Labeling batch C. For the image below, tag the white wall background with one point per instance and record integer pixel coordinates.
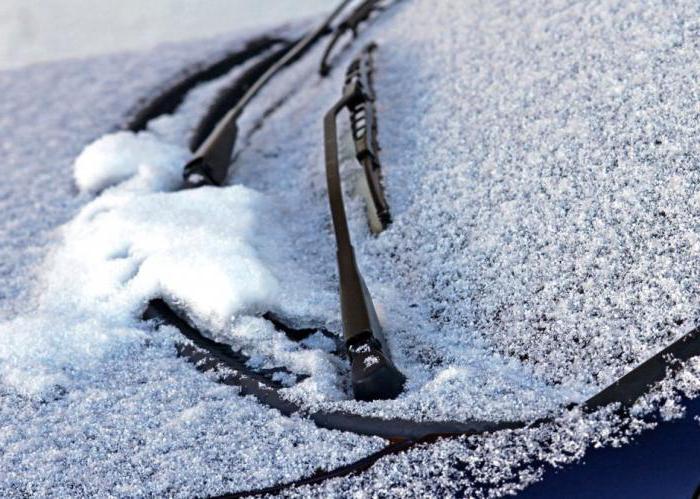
(41, 30)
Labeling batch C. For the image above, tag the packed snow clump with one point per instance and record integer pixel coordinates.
(205, 249)
(118, 157)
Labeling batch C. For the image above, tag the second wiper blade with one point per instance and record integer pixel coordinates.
(361, 13)
(209, 165)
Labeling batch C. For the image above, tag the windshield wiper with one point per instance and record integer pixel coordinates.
(363, 123)
(169, 100)
(635, 383)
(232, 94)
(374, 375)
(210, 163)
(350, 23)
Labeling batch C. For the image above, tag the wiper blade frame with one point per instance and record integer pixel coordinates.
(210, 163)
(350, 23)
(363, 123)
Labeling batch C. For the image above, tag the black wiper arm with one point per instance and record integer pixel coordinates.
(374, 375)
(209, 165)
(169, 100)
(350, 23)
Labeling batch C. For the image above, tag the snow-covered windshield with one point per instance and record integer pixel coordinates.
(539, 160)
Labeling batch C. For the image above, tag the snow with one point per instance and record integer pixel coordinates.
(54, 112)
(540, 166)
(222, 255)
(370, 361)
(147, 424)
(120, 156)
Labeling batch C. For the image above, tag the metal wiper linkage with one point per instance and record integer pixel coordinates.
(350, 23)
(210, 162)
(374, 375)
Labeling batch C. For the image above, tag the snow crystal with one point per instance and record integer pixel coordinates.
(371, 360)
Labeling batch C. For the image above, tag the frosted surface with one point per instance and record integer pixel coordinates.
(540, 162)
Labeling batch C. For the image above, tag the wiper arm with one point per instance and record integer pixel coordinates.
(209, 165)
(374, 375)
(229, 96)
(350, 23)
(169, 100)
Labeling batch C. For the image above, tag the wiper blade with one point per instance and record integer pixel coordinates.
(210, 163)
(168, 101)
(229, 96)
(374, 375)
(363, 122)
(350, 23)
